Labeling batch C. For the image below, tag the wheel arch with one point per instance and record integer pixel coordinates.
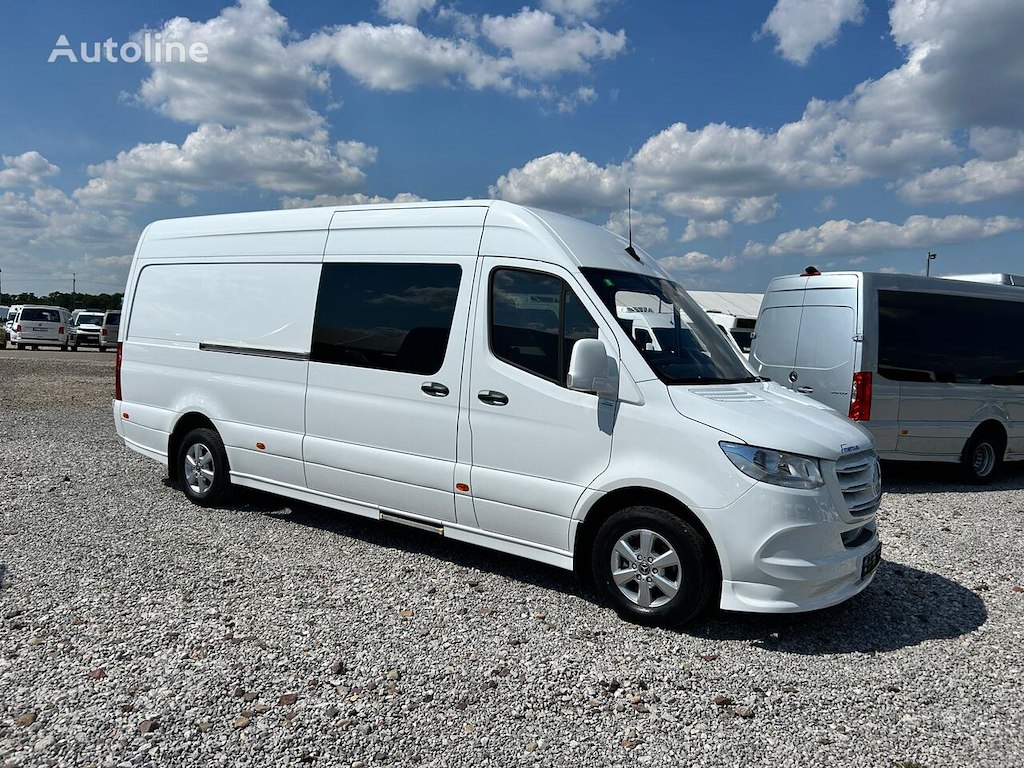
(992, 427)
(185, 424)
(621, 498)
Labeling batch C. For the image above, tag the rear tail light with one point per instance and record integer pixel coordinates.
(104, 332)
(117, 373)
(61, 330)
(860, 396)
(17, 328)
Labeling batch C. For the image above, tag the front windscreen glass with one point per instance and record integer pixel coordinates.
(675, 336)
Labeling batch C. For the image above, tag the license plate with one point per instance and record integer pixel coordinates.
(871, 561)
(38, 330)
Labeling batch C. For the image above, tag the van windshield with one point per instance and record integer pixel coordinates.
(675, 336)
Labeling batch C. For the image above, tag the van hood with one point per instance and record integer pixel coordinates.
(767, 415)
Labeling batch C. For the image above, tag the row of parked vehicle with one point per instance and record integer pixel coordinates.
(36, 325)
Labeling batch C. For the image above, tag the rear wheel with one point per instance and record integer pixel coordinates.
(653, 566)
(983, 456)
(20, 346)
(203, 467)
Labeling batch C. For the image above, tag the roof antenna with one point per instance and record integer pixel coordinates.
(629, 212)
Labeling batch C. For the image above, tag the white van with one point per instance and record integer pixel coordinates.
(40, 326)
(461, 368)
(933, 367)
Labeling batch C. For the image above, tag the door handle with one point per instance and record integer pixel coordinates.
(805, 390)
(434, 389)
(491, 397)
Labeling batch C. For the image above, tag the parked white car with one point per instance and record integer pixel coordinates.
(462, 368)
(85, 330)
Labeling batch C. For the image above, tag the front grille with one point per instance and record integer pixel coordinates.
(860, 482)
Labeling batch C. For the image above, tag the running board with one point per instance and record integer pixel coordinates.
(393, 518)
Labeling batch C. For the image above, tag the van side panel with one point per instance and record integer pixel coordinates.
(231, 341)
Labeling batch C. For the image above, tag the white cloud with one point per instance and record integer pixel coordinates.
(965, 62)
(648, 228)
(582, 95)
(802, 26)
(568, 183)
(541, 49)
(695, 261)
(828, 202)
(697, 229)
(845, 236)
(400, 57)
(754, 210)
(996, 143)
(253, 75)
(404, 10)
(357, 198)
(695, 207)
(971, 182)
(26, 170)
(214, 157)
(573, 10)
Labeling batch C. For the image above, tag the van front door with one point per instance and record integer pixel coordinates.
(536, 444)
(385, 375)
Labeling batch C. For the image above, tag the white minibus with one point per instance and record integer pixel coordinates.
(462, 368)
(933, 367)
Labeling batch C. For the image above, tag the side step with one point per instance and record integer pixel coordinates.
(393, 518)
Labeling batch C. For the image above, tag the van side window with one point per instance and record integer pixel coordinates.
(535, 320)
(951, 339)
(393, 317)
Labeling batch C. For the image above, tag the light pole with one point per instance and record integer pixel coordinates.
(1, 286)
(928, 264)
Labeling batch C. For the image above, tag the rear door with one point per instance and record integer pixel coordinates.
(773, 351)
(825, 349)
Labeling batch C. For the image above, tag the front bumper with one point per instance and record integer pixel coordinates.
(788, 551)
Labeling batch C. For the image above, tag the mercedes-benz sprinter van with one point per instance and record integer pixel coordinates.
(933, 367)
(464, 368)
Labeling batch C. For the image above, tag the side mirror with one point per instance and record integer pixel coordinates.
(591, 370)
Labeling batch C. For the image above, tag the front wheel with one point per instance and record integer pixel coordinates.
(982, 457)
(203, 468)
(653, 566)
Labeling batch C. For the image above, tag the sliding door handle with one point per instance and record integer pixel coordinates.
(491, 397)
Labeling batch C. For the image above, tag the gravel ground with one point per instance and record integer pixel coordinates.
(137, 629)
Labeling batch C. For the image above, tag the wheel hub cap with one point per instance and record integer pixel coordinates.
(646, 568)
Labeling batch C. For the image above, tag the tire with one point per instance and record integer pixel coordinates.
(641, 592)
(210, 484)
(64, 347)
(74, 347)
(20, 346)
(983, 456)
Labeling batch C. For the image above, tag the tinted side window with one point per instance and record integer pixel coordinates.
(940, 337)
(535, 320)
(394, 317)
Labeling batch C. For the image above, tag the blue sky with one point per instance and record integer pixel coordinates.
(757, 137)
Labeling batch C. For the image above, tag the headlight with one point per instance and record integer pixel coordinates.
(775, 467)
